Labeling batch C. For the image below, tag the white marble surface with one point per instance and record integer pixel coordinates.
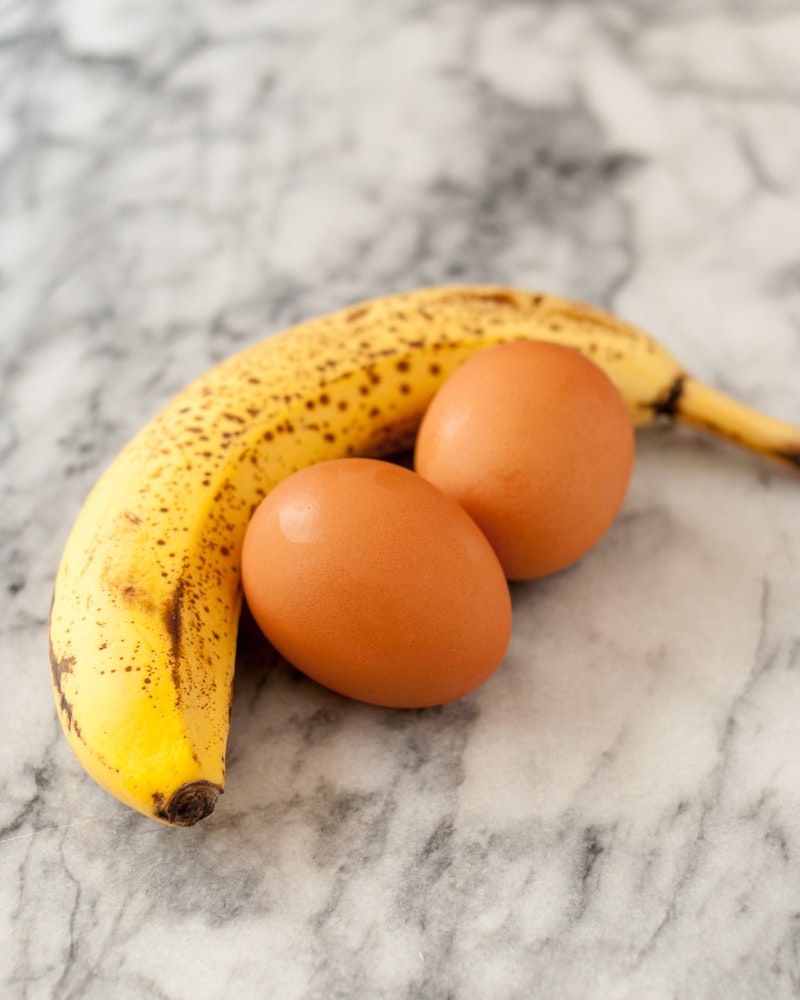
(616, 814)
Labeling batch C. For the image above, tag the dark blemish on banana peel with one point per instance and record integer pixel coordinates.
(173, 620)
(668, 403)
(356, 314)
(789, 455)
(58, 667)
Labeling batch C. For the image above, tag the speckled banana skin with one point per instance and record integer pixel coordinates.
(147, 597)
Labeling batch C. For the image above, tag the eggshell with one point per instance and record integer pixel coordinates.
(374, 583)
(536, 443)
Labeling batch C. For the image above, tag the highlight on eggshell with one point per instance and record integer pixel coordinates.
(374, 583)
(536, 443)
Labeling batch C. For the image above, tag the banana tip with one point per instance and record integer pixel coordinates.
(190, 803)
(791, 456)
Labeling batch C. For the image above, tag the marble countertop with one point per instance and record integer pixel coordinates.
(616, 813)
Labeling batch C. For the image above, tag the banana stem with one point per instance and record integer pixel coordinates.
(708, 409)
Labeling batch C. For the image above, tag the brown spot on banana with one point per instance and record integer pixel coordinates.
(667, 404)
(356, 314)
(60, 665)
(173, 620)
(509, 298)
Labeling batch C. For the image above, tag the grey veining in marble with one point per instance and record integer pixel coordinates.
(616, 814)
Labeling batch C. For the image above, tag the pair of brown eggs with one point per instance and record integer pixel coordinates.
(390, 585)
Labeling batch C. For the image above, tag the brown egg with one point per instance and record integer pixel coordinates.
(536, 443)
(374, 583)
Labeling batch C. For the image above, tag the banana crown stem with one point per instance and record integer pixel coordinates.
(701, 406)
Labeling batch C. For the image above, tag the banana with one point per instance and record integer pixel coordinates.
(147, 596)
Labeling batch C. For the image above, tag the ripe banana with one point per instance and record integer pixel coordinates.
(147, 597)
